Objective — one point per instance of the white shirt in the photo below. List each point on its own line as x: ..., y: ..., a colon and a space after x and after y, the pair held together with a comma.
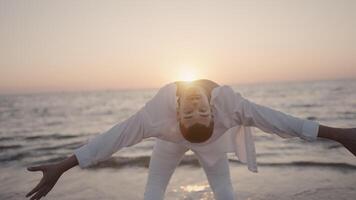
x: 233, y: 116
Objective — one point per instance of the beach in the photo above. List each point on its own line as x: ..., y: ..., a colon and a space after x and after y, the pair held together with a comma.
x: 189, y: 182
x: 45, y: 128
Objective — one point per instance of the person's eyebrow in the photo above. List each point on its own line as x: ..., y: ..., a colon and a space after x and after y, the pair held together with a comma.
x: 203, y: 109
x: 190, y: 116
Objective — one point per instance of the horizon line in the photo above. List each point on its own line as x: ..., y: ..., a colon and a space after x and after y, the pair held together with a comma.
x: 153, y: 88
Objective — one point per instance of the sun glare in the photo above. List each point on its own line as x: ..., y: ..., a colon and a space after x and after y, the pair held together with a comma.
x: 187, y: 74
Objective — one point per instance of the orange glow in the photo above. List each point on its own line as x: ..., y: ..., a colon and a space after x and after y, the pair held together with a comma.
x: 127, y: 46
x: 187, y: 73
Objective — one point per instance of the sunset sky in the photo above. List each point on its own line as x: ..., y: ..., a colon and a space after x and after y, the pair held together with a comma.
x: 93, y: 45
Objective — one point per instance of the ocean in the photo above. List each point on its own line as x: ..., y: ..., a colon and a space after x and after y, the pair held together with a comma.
x: 47, y: 127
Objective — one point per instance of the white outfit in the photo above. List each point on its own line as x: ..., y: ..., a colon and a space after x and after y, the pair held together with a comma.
x: 166, y: 157
x: 233, y: 116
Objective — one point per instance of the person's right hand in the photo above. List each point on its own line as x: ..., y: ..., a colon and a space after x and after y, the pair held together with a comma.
x: 348, y: 139
x: 51, y: 174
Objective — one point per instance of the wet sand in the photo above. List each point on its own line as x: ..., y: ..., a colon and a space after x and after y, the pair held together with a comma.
x: 189, y: 182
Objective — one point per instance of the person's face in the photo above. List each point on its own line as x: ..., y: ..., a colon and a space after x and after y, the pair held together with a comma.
x: 194, y: 107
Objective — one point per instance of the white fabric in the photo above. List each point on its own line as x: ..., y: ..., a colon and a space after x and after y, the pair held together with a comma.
x: 233, y: 117
x: 166, y: 156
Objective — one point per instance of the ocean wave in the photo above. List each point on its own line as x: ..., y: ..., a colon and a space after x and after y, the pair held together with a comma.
x: 48, y: 161
x: 70, y: 146
x: 5, y: 147
x: 42, y: 112
x: 265, y: 154
x: 305, y: 105
x: 52, y: 136
x: 6, y: 138
x: 191, y: 160
x: 338, y: 166
x: 14, y: 157
x: 348, y: 113
x: 141, y: 161
x: 55, y: 123
x: 335, y: 146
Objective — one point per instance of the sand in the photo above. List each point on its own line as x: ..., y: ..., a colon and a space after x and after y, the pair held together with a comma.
x: 189, y: 182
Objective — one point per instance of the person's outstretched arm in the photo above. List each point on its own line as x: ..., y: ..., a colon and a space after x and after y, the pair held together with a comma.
x: 51, y: 174
x: 124, y: 134
x: 345, y: 136
x: 285, y: 125
x: 100, y: 148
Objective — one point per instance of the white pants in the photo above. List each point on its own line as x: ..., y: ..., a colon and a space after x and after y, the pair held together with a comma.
x: 165, y: 158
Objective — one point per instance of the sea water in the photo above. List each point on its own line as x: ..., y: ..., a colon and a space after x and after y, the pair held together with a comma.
x: 47, y: 127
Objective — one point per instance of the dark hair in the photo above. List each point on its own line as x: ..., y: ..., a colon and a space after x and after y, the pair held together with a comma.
x: 197, y: 133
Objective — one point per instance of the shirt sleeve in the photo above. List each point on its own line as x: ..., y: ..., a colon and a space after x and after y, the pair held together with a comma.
x: 124, y: 134
x: 142, y: 124
x: 269, y: 120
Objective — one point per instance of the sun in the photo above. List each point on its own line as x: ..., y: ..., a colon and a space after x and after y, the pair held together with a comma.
x: 187, y: 74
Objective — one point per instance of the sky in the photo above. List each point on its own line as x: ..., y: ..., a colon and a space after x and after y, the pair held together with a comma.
x: 99, y: 45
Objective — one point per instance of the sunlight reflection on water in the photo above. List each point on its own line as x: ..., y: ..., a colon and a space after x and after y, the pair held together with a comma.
x: 194, y: 188
x: 200, y: 191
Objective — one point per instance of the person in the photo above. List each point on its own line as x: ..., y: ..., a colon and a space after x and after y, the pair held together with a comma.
x: 202, y: 116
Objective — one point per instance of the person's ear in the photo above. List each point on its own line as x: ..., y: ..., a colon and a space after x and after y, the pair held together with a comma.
x: 178, y: 114
x: 178, y: 108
